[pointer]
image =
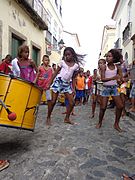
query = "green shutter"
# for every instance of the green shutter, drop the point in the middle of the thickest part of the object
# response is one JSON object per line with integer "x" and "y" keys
{"x": 14, "y": 47}
{"x": 35, "y": 54}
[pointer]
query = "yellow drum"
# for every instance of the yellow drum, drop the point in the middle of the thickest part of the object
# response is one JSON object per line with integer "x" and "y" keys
{"x": 61, "y": 98}
{"x": 21, "y": 97}
{"x": 43, "y": 99}
{"x": 4, "y": 84}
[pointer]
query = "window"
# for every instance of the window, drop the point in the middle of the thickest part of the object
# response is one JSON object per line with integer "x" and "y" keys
{"x": 119, "y": 29}
{"x": 56, "y": 3}
{"x": 55, "y": 29}
{"x": 54, "y": 44}
{"x": 35, "y": 54}
{"x": 126, "y": 58}
{"x": 49, "y": 18}
{"x": 38, "y": 7}
{"x": 48, "y": 37}
{"x": 16, "y": 42}
{"x": 60, "y": 10}
{"x": 129, "y": 10}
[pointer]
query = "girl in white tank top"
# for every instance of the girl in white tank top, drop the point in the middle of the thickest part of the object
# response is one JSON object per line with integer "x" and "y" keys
{"x": 110, "y": 74}
{"x": 61, "y": 82}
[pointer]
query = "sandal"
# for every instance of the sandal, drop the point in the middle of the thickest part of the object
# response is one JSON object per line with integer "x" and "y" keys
{"x": 3, "y": 164}
{"x": 125, "y": 177}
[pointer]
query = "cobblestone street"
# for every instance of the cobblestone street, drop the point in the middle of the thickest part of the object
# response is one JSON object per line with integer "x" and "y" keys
{"x": 66, "y": 152}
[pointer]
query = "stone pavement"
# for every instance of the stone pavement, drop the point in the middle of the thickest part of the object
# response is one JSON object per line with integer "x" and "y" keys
{"x": 132, "y": 115}
{"x": 66, "y": 152}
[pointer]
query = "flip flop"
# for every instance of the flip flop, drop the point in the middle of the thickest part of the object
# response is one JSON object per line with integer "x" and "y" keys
{"x": 3, "y": 164}
{"x": 130, "y": 177}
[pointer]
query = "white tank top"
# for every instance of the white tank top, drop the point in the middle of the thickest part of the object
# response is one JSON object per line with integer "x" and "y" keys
{"x": 66, "y": 71}
{"x": 108, "y": 74}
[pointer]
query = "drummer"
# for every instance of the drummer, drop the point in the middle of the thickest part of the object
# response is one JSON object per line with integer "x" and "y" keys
{"x": 23, "y": 66}
{"x": 6, "y": 66}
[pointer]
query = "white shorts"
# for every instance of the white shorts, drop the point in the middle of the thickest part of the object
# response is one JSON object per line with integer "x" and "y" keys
{"x": 48, "y": 95}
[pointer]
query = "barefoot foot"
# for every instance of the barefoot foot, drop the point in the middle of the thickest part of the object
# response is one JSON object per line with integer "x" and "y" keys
{"x": 69, "y": 122}
{"x": 73, "y": 114}
{"x": 92, "y": 116}
{"x": 98, "y": 126}
{"x": 117, "y": 128}
{"x": 48, "y": 122}
{"x": 64, "y": 113}
{"x": 132, "y": 110}
{"x": 126, "y": 177}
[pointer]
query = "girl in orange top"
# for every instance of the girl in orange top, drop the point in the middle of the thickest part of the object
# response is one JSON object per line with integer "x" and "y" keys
{"x": 80, "y": 86}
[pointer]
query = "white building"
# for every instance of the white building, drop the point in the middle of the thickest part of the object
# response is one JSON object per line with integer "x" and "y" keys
{"x": 108, "y": 39}
{"x": 71, "y": 39}
{"x": 37, "y": 23}
{"x": 124, "y": 15}
{"x": 55, "y": 28}
{"x": 22, "y": 21}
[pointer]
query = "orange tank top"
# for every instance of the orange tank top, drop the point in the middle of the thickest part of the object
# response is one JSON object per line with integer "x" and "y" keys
{"x": 80, "y": 84}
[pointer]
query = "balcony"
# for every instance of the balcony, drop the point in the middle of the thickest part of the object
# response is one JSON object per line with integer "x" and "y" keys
{"x": 36, "y": 11}
{"x": 127, "y": 32}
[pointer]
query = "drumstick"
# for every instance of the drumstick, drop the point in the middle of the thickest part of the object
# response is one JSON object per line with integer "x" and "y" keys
{"x": 3, "y": 104}
{"x": 11, "y": 115}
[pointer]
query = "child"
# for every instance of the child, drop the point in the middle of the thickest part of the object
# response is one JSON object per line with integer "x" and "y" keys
{"x": 132, "y": 93}
{"x": 54, "y": 67}
{"x": 88, "y": 86}
{"x": 6, "y": 66}
{"x": 101, "y": 63}
{"x": 80, "y": 86}
{"x": 96, "y": 97}
{"x": 110, "y": 73}
{"x": 27, "y": 66}
{"x": 66, "y": 70}
{"x": 123, "y": 92}
{"x": 43, "y": 78}
{"x": 95, "y": 77}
